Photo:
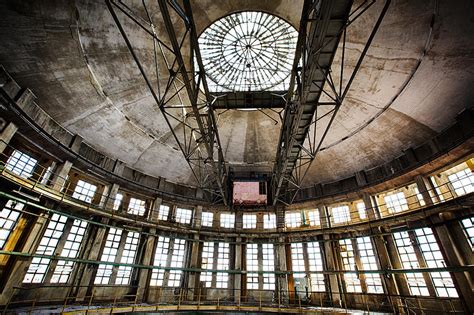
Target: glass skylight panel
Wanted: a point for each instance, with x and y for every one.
(340, 214)
(227, 220)
(163, 212)
(315, 262)
(248, 51)
(367, 258)
(136, 206)
(160, 260)
(207, 219)
(293, 219)
(462, 181)
(396, 202)
(269, 221)
(468, 225)
(84, 191)
(348, 261)
(183, 215)
(21, 164)
(249, 221)
(8, 219)
(128, 257)
(39, 266)
(104, 271)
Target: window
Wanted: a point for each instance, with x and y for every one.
(21, 164)
(315, 263)
(207, 219)
(396, 202)
(367, 258)
(361, 209)
(293, 219)
(39, 266)
(442, 281)
(227, 220)
(222, 278)
(207, 263)
(468, 225)
(104, 271)
(117, 201)
(183, 215)
(84, 191)
(268, 264)
(160, 260)
(177, 261)
(8, 219)
(340, 214)
(462, 181)
(47, 175)
(128, 257)
(136, 206)
(297, 260)
(71, 250)
(313, 217)
(269, 221)
(406, 251)
(249, 221)
(163, 212)
(419, 197)
(252, 266)
(348, 261)
(438, 191)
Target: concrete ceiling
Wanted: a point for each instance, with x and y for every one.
(417, 76)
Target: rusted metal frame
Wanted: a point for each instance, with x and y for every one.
(217, 170)
(349, 83)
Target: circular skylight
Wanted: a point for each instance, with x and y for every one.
(248, 51)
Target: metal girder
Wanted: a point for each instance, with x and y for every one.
(317, 97)
(249, 100)
(179, 90)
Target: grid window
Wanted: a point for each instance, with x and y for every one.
(163, 212)
(21, 164)
(128, 257)
(207, 218)
(104, 272)
(468, 225)
(348, 261)
(161, 257)
(227, 220)
(183, 215)
(269, 221)
(177, 261)
(293, 219)
(249, 221)
(207, 263)
(222, 278)
(462, 181)
(361, 210)
(396, 202)
(117, 201)
(268, 264)
(297, 260)
(438, 191)
(442, 281)
(419, 197)
(313, 217)
(71, 250)
(39, 266)
(340, 214)
(367, 258)
(136, 206)
(406, 251)
(84, 191)
(252, 266)
(8, 219)
(315, 263)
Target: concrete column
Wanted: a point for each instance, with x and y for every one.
(6, 135)
(238, 267)
(423, 185)
(147, 260)
(369, 208)
(108, 199)
(324, 217)
(330, 262)
(197, 217)
(394, 258)
(155, 210)
(239, 220)
(60, 175)
(194, 277)
(281, 279)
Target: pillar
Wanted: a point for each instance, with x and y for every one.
(60, 175)
(155, 210)
(370, 210)
(147, 260)
(238, 267)
(195, 263)
(282, 279)
(6, 135)
(197, 217)
(422, 185)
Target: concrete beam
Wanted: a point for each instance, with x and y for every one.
(6, 135)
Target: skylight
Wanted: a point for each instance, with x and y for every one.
(248, 51)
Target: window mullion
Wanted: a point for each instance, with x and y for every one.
(422, 263)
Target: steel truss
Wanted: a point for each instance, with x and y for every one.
(314, 96)
(179, 90)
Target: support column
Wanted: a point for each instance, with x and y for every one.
(238, 267)
(422, 185)
(6, 135)
(330, 262)
(60, 175)
(155, 210)
(324, 217)
(108, 201)
(194, 277)
(197, 217)
(282, 279)
(370, 210)
(147, 260)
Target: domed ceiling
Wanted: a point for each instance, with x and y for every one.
(414, 80)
